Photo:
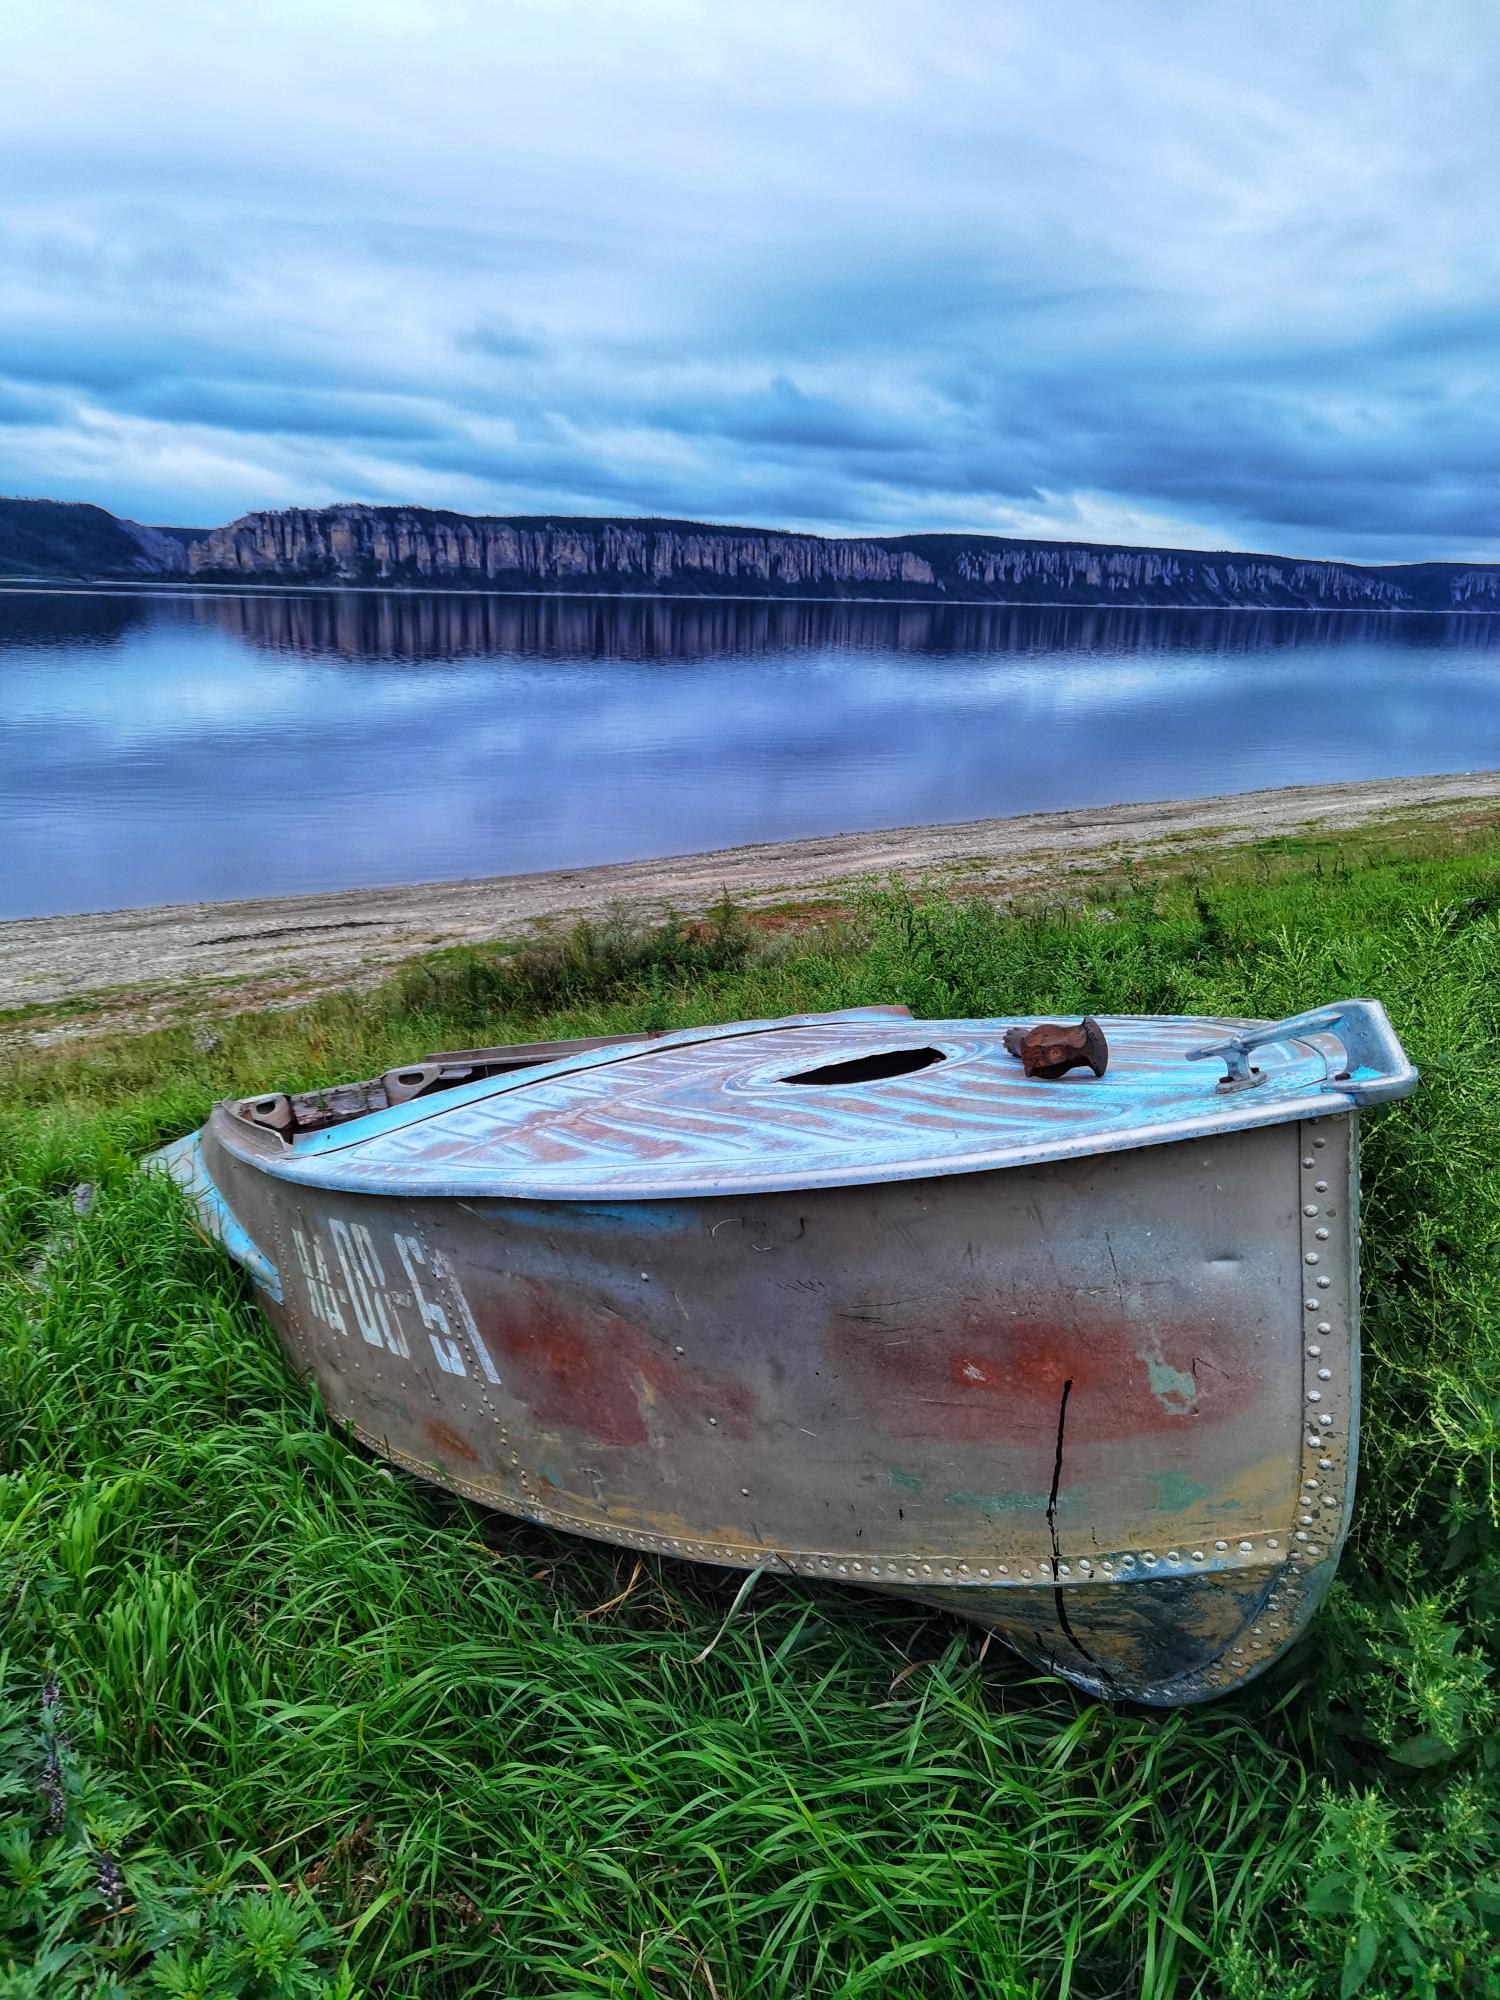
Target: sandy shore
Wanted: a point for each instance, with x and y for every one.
(152, 962)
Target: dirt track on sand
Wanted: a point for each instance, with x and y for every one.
(143, 966)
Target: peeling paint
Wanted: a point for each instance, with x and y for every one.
(1173, 1388)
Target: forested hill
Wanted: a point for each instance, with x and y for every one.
(413, 547)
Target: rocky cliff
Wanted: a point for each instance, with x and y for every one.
(416, 547)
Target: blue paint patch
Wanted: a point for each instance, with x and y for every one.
(908, 1482)
(1177, 1493)
(999, 1503)
(630, 1218)
(1175, 1391)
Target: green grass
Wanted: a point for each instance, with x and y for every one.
(340, 1731)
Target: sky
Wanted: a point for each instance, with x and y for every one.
(1211, 273)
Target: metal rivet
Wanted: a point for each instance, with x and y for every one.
(1308, 1161)
(1320, 1235)
(1027, 1574)
(1314, 1349)
(1198, 1555)
(1326, 1422)
(1174, 1555)
(1063, 1570)
(1311, 1305)
(1311, 1257)
(744, 1492)
(714, 1422)
(1325, 1374)
(1326, 1463)
(1246, 1547)
(1272, 1543)
(1221, 1545)
(1324, 1327)
(1320, 1187)
(1329, 1500)
(1324, 1283)
(1302, 1534)
(1315, 1395)
(1320, 1142)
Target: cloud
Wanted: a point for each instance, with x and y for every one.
(1146, 269)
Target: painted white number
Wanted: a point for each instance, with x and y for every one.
(375, 1304)
(359, 1261)
(476, 1344)
(324, 1298)
(444, 1346)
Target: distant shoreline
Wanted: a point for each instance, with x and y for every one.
(125, 587)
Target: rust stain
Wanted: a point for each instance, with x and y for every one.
(991, 1380)
(448, 1441)
(578, 1363)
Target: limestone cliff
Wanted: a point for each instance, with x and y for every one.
(413, 546)
(422, 547)
(416, 545)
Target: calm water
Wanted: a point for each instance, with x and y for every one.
(164, 748)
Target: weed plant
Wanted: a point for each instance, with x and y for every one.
(281, 1722)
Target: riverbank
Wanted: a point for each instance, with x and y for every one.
(139, 967)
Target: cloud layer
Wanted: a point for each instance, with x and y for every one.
(1141, 270)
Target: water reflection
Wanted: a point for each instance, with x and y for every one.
(158, 747)
(373, 625)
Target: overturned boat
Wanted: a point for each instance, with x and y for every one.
(1054, 1328)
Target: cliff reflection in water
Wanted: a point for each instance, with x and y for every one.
(438, 626)
(161, 747)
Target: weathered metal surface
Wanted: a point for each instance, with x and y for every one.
(295, 1113)
(716, 1111)
(1051, 1049)
(1104, 1405)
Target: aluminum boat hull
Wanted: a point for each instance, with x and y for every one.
(1105, 1407)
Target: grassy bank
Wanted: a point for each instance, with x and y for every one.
(280, 1722)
